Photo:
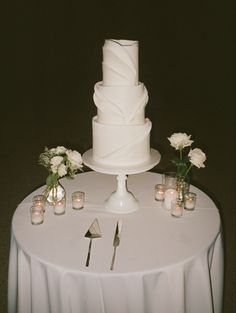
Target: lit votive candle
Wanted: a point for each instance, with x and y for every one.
(169, 195)
(190, 201)
(78, 200)
(159, 192)
(60, 206)
(176, 208)
(37, 215)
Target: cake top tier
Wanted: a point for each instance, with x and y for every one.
(120, 63)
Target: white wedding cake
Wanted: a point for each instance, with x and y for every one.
(121, 133)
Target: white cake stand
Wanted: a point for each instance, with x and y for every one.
(121, 201)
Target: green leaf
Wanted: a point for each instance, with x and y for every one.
(52, 179)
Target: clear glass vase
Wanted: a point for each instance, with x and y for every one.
(183, 184)
(55, 193)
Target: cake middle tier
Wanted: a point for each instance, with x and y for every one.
(120, 104)
(121, 145)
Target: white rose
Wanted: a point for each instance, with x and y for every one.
(56, 160)
(197, 157)
(62, 170)
(60, 149)
(52, 150)
(75, 158)
(180, 140)
(54, 168)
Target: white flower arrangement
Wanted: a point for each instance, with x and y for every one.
(195, 157)
(60, 162)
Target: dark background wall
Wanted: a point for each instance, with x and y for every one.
(53, 54)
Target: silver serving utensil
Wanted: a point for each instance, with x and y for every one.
(92, 233)
(116, 241)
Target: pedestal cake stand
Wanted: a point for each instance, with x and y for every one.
(122, 200)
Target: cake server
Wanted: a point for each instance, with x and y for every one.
(116, 241)
(92, 233)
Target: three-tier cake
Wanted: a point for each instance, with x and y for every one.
(121, 133)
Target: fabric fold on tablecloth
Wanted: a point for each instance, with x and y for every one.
(176, 289)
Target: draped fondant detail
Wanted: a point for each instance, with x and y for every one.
(120, 105)
(120, 64)
(128, 144)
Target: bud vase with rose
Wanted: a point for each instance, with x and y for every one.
(184, 162)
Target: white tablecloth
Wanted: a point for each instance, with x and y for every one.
(163, 264)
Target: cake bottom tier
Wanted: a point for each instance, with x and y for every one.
(121, 145)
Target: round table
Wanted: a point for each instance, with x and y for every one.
(163, 264)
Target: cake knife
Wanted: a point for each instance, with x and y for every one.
(116, 241)
(92, 233)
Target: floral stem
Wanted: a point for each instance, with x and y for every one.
(181, 154)
(46, 191)
(190, 166)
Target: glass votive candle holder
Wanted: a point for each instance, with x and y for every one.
(59, 206)
(36, 215)
(170, 194)
(78, 198)
(169, 179)
(190, 201)
(39, 201)
(177, 208)
(159, 192)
